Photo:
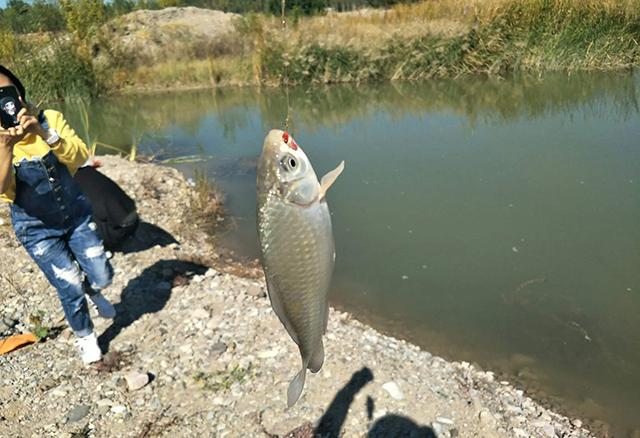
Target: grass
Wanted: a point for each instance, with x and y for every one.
(493, 38)
(53, 69)
(222, 380)
(193, 73)
(206, 204)
(417, 41)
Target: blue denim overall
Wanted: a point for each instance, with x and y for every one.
(53, 221)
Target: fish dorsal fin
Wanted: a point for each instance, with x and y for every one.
(329, 179)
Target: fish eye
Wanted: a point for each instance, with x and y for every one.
(289, 163)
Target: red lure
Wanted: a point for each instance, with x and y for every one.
(293, 145)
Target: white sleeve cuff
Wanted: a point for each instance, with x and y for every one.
(53, 137)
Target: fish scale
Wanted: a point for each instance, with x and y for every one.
(296, 242)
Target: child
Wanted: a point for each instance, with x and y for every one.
(50, 215)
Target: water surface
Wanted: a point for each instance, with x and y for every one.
(490, 221)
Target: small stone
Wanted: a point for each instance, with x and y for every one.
(218, 348)
(119, 409)
(267, 354)
(486, 418)
(445, 421)
(394, 390)
(136, 380)
(256, 291)
(10, 322)
(521, 433)
(58, 392)
(104, 402)
(549, 431)
(46, 384)
(200, 313)
(576, 423)
(440, 430)
(78, 413)
(210, 273)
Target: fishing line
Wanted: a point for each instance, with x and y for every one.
(287, 119)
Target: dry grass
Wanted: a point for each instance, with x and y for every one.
(209, 72)
(451, 38)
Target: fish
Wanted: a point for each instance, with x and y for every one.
(297, 246)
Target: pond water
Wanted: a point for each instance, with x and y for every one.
(491, 221)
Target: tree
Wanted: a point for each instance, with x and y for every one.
(83, 17)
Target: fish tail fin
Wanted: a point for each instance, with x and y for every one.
(317, 359)
(296, 386)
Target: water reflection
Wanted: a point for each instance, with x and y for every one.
(121, 120)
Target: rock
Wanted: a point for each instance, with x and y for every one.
(394, 390)
(256, 291)
(136, 380)
(46, 384)
(78, 413)
(119, 410)
(440, 430)
(520, 433)
(104, 402)
(218, 348)
(268, 354)
(576, 423)
(200, 313)
(445, 421)
(210, 273)
(486, 418)
(549, 431)
(58, 392)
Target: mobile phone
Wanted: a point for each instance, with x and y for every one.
(10, 106)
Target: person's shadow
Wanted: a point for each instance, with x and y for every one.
(146, 236)
(148, 293)
(391, 425)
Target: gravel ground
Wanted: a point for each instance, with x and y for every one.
(197, 351)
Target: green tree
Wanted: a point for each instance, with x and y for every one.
(83, 17)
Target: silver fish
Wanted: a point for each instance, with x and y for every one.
(296, 241)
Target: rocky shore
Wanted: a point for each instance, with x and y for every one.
(197, 351)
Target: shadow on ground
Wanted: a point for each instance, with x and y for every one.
(146, 236)
(330, 425)
(148, 293)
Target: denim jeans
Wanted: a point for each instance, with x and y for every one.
(53, 221)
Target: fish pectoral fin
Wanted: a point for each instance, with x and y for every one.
(329, 179)
(317, 359)
(296, 386)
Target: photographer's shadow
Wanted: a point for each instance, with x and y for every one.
(148, 293)
(330, 425)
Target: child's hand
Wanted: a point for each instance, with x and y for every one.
(9, 137)
(29, 124)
